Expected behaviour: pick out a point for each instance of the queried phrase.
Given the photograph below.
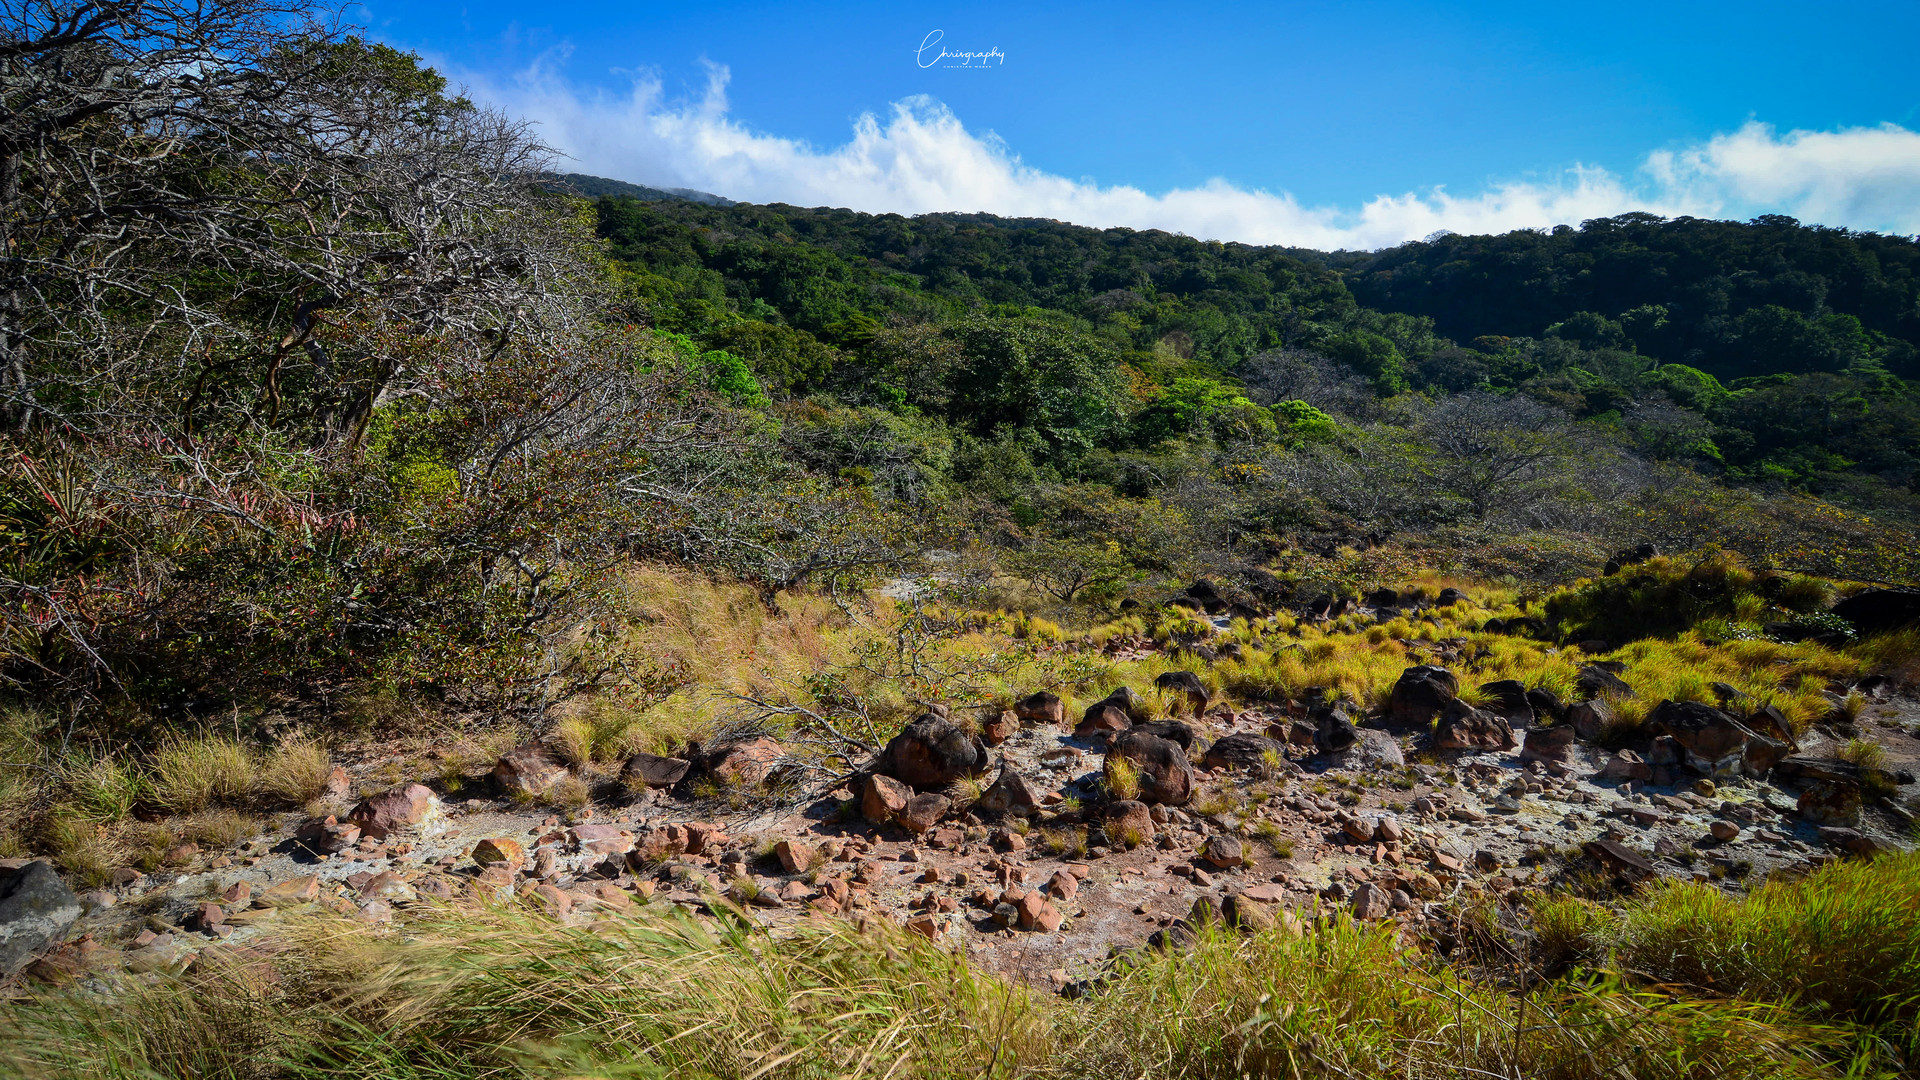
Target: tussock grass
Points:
(296, 771)
(1895, 655)
(103, 789)
(1842, 943)
(1864, 753)
(191, 773)
(508, 993)
(1348, 1001)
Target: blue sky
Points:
(1316, 123)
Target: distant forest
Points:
(1767, 352)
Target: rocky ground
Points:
(1001, 838)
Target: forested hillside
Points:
(459, 619)
(1767, 354)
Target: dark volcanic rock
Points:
(36, 908)
(654, 771)
(1171, 730)
(1188, 685)
(932, 753)
(1421, 693)
(1242, 751)
(1508, 698)
(1463, 727)
(1878, 610)
(1166, 776)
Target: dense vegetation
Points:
(335, 414)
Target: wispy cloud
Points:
(920, 158)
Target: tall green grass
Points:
(506, 993)
(1841, 944)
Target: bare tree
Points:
(1497, 453)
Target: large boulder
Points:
(1186, 685)
(1171, 730)
(1589, 719)
(1508, 698)
(1041, 708)
(654, 771)
(1242, 751)
(36, 908)
(1547, 743)
(1102, 721)
(1166, 776)
(1334, 732)
(1421, 693)
(737, 763)
(1463, 727)
(527, 770)
(379, 816)
(1545, 704)
(1010, 794)
(1878, 610)
(932, 752)
(1602, 678)
(1707, 734)
(1371, 749)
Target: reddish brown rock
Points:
(1166, 775)
(557, 901)
(932, 753)
(999, 728)
(1009, 794)
(743, 763)
(1063, 885)
(882, 797)
(1126, 819)
(328, 837)
(1625, 765)
(379, 816)
(923, 812)
(796, 856)
(1041, 708)
(339, 786)
(1370, 901)
(299, 890)
(1102, 721)
(1223, 852)
(600, 839)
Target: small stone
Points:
(1724, 831)
(1370, 901)
(1225, 852)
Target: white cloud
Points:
(1863, 178)
(921, 158)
